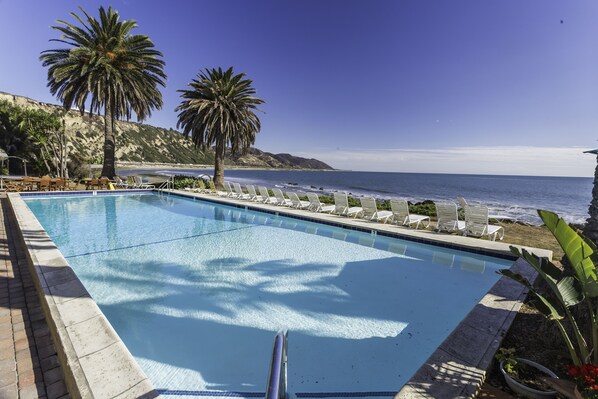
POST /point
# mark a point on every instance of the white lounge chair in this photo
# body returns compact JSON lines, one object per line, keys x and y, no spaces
{"x":120,"y":183}
{"x":266,"y":199}
{"x":448,"y":219}
{"x":239,"y":192}
{"x":228,"y":188}
{"x":371,"y":212}
{"x":341,"y":206}
{"x":316,"y":206}
{"x":401,"y":215}
{"x":476,"y":223}
{"x":296,"y":202}
{"x":280,"y":199}
{"x":213,"y":190}
{"x":140,"y":184}
{"x":253,"y":195}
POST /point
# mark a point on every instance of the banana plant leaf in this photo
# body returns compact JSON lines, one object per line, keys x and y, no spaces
{"x":577,"y":250}
{"x":549,"y":307}
{"x":567,"y":289}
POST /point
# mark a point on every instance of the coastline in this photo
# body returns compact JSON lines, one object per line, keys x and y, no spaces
{"x":157,"y":166}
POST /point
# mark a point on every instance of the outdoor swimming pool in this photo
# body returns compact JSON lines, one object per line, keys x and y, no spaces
{"x":196,"y":291}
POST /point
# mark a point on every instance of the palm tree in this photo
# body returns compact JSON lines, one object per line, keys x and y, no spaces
{"x":590,"y":229}
{"x":120,"y":71}
{"x":219,"y":111}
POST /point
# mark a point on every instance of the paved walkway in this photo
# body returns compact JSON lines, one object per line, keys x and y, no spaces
{"x":29,"y":367}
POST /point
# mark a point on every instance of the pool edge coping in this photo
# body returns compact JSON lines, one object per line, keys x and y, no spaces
{"x":72,"y":314}
{"x":453,"y":370}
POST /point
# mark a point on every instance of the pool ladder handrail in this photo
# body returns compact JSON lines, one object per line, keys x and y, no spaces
{"x":168,"y":184}
{"x":277,"y":377}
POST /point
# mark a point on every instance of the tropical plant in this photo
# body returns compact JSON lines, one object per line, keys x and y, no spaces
{"x":119,"y":71}
{"x":575,"y":284}
{"x":220,"y":110}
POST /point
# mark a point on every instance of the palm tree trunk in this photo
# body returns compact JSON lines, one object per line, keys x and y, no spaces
{"x":591,"y":228}
{"x":219,"y":165}
{"x":108,"y":167}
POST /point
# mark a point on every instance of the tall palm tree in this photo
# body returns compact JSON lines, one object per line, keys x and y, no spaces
{"x":119,"y":71}
{"x":219,"y":111}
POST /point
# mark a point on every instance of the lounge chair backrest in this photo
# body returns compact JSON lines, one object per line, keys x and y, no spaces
{"x":476,"y":220}
{"x":295,"y":202}
{"x":279,"y":196}
{"x":314,"y":202}
{"x":229,"y":189}
{"x":446,"y":212}
{"x":238,"y":189}
{"x":370,"y":209}
{"x":212,"y":186}
{"x":131,"y":181}
{"x":400,"y":210}
{"x":341,"y":203}
{"x":264,"y":193}
{"x":138,"y":181}
{"x":201,"y":184}
{"x":251,"y":191}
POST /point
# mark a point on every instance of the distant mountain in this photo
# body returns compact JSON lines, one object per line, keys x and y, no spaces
{"x":138,"y":142}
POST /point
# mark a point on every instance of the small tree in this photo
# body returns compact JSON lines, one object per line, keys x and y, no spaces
{"x":47,"y":133}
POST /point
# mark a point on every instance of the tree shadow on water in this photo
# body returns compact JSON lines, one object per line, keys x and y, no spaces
{"x":351,"y":328}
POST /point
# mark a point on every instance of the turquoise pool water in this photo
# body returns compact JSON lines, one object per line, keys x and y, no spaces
{"x":197,"y":291}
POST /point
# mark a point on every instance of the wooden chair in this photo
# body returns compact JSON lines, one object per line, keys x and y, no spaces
{"x":44,"y":183}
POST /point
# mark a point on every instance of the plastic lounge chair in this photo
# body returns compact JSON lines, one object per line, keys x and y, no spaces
{"x":266,"y":199}
{"x":448,"y":219}
{"x":401,"y":215}
{"x":341,"y":206}
{"x":119,"y":182}
{"x":316,"y":206}
{"x":296,"y":202}
{"x":253,"y":195}
{"x":371,"y":212}
{"x":476,"y":223}
{"x":140,"y":184}
{"x":228,"y":189}
{"x":213,"y":189}
{"x":280,"y":199}
{"x":239,"y":192}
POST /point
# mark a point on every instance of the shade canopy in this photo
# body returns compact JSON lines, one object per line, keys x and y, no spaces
{"x":591,"y":151}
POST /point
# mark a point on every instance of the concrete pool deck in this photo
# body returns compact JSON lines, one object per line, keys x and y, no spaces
{"x":86,"y":339}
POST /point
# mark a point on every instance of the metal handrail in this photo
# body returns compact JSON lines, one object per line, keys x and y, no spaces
{"x":277,"y":377}
{"x":168,"y":184}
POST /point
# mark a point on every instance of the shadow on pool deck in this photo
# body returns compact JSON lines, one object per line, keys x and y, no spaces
{"x":354,"y":323}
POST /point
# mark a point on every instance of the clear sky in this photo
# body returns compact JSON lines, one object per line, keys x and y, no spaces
{"x":467,"y":86}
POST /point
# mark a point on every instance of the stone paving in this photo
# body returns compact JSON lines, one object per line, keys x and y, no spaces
{"x":29,"y":367}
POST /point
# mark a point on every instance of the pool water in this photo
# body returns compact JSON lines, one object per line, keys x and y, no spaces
{"x":197,"y":290}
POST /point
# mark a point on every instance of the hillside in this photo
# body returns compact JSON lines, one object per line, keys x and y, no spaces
{"x":137,"y":142}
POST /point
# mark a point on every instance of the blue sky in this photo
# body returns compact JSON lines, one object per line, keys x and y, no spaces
{"x":409,"y":86}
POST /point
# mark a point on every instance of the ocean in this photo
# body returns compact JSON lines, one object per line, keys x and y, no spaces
{"x":514,"y":196}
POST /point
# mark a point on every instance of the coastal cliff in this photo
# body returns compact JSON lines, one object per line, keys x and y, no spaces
{"x":138,"y":142}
